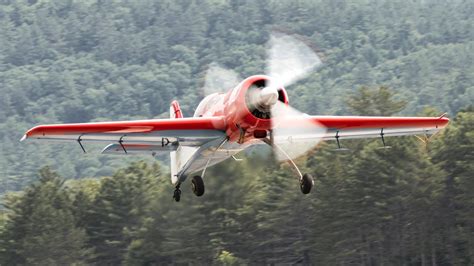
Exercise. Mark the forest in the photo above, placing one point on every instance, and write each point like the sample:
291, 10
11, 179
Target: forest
65, 61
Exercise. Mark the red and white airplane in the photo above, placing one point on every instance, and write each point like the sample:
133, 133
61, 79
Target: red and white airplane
255, 112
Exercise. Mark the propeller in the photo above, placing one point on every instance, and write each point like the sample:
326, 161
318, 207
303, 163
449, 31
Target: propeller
288, 61
290, 142
218, 79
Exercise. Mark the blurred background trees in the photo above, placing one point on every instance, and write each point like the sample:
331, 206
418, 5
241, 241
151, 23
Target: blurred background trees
80, 61
411, 204
76, 61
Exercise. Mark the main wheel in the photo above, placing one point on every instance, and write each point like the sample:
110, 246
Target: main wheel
306, 183
177, 194
197, 185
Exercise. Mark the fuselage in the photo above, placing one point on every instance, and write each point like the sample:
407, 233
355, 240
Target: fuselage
245, 121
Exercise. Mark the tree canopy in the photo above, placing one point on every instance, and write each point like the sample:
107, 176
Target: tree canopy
79, 61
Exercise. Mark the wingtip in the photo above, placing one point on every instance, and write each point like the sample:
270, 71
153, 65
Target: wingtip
23, 138
444, 118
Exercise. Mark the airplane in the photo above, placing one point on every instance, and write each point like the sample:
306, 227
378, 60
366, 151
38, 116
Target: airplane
254, 112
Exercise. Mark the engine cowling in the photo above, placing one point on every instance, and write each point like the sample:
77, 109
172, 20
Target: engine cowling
248, 108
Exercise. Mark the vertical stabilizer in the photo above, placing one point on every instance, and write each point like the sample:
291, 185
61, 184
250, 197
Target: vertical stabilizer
175, 110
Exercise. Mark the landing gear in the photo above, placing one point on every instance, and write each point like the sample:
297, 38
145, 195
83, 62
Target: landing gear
306, 183
177, 193
306, 180
197, 185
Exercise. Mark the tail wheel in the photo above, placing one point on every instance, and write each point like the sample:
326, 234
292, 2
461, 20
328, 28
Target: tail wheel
306, 183
197, 185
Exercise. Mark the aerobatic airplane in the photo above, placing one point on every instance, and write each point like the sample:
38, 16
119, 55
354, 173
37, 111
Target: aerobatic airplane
254, 112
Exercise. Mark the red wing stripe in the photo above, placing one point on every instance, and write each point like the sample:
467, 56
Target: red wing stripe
361, 122
132, 130
140, 126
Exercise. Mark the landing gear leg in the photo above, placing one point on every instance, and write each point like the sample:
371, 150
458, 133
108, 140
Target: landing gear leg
177, 193
306, 180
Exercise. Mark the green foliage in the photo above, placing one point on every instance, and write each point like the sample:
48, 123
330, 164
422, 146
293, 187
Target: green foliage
227, 258
408, 204
40, 227
79, 61
454, 152
375, 102
117, 210
82, 61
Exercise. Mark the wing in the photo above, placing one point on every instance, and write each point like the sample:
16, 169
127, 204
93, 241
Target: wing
136, 136
349, 127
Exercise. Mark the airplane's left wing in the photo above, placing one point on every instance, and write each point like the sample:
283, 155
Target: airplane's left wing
350, 127
135, 135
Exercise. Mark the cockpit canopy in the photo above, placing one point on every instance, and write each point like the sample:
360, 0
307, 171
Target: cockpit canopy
206, 103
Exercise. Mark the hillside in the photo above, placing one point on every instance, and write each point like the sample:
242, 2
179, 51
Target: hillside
76, 61
79, 61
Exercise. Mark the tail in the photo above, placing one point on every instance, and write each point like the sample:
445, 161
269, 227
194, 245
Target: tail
175, 110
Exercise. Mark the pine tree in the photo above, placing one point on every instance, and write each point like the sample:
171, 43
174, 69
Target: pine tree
118, 210
40, 226
454, 152
375, 101
376, 206
275, 222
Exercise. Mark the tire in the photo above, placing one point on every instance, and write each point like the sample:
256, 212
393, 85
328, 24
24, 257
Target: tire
197, 185
306, 183
177, 195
